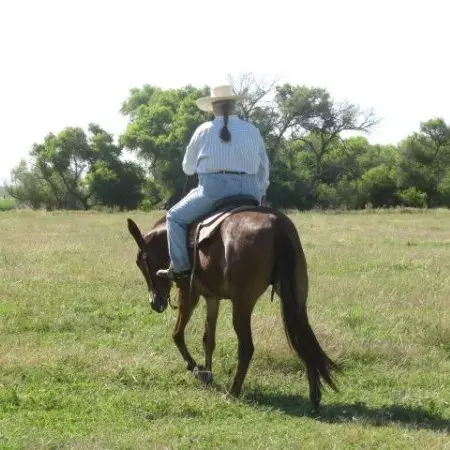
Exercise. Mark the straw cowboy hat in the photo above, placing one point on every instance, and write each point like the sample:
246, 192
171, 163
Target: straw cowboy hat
218, 93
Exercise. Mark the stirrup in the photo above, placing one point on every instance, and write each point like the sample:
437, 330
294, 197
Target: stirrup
171, 275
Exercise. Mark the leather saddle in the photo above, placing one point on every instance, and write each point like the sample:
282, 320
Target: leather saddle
205, 227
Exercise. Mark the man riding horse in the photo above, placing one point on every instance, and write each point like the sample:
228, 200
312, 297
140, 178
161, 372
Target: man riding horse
230, 158
242, 252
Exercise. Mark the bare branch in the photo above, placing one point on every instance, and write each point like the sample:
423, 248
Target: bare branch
253, 90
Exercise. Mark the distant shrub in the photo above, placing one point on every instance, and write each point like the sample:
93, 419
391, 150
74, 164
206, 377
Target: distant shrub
327, 196
413, 197
444, 189
378, 186
146, 205
7, 203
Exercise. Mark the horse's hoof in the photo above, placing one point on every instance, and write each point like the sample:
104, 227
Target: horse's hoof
314, 411
203, 375
190, 367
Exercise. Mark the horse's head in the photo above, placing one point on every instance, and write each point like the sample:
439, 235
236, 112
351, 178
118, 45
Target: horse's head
151, 256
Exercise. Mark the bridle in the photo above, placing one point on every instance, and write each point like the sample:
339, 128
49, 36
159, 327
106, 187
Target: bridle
143, 263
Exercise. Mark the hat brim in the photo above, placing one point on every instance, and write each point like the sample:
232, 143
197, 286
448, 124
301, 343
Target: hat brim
205, 103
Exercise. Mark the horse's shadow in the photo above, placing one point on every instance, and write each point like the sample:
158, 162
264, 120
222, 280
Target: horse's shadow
345, 413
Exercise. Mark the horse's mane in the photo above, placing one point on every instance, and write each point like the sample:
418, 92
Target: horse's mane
159, 226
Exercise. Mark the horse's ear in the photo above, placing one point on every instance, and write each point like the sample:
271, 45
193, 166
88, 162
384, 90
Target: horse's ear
136, 233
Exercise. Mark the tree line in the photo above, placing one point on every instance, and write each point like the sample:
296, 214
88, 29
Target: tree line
314, 162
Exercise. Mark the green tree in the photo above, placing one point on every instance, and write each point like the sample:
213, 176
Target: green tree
112, 181
295, 120
312, 117
343, 167
29, 188
444, 189
116, 183
63, 160
161, 125
425, 159
73, 170
378, 186
412, 197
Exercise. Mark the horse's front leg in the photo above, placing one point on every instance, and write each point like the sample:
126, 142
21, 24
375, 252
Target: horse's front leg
186, 306
209, 338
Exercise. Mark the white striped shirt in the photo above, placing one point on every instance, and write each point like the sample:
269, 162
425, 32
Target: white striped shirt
245, 152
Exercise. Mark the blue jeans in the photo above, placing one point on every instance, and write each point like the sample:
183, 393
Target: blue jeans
200, 201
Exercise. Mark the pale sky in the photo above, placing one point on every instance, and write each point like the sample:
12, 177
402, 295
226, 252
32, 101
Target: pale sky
68, 63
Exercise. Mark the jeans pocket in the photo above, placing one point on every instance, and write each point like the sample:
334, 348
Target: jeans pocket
250, 187
213, 186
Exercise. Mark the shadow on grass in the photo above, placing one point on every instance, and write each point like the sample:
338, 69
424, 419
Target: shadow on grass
346, 413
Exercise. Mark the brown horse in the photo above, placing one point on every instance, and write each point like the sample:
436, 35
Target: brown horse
251, 250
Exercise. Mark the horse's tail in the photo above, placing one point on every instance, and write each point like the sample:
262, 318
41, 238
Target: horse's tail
292, 287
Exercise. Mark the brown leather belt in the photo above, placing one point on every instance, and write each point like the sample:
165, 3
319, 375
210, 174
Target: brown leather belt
230, 171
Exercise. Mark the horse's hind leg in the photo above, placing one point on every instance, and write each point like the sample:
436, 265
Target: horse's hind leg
242, 311
314, 387
209, 338
186, 306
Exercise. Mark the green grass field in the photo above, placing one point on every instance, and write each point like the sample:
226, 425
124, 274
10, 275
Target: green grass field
84, 363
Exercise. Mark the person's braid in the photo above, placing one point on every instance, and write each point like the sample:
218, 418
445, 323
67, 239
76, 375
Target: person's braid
225, 132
